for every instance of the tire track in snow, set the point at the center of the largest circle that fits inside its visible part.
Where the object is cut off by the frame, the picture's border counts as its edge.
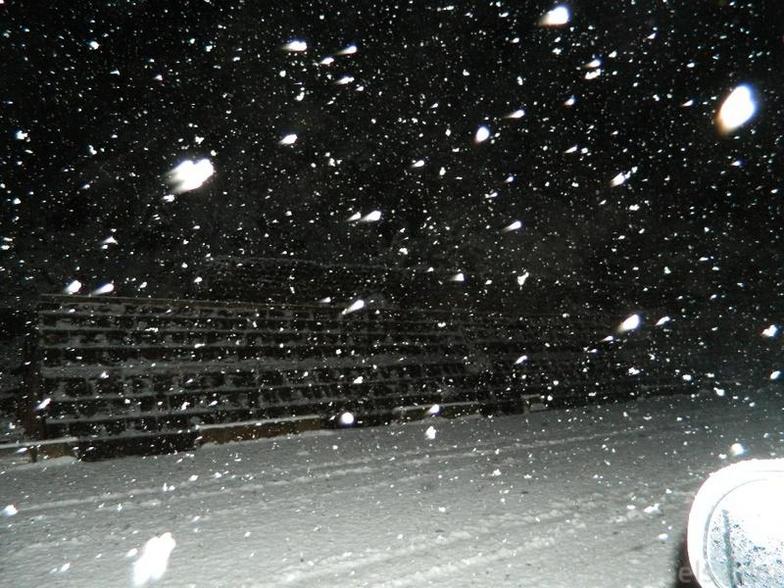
(348, 563)
(311, 474)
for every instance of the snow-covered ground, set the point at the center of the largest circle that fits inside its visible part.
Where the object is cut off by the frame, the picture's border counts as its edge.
(596, 496)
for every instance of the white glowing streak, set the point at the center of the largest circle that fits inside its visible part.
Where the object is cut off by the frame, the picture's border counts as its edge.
(521, 359)
(296, 46)
(630, 323)
(418, 163)
(618, 180)
(326, 300)
(596, 63)
(43, 404)
(571, 149)
(515, 226)
(556, 17)
(345, 80)
(109, 241)
(327, 61)
(73, 287)
(520, 113)
(736, 109)
(355, 306)
(358, 380)
(774, 375)
(346, 419)
(482, 134)
(152, 564)
(458, 277)
(434, 410)
(10, 510)
(570, 101)
(770, 331)
(190, 175)
(521, 279)
(289, 139)
(350, 50)
(105, 289)
(663, 321)
(354, 217)
(372, 217)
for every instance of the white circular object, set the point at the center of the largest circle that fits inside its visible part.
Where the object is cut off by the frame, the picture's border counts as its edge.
(736, 526)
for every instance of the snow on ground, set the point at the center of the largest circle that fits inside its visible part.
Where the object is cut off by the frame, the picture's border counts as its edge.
(596, 496)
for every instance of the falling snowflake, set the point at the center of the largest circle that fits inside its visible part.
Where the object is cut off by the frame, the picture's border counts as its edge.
(289, 139)
(618, 179)
(736, 110)
(355, 306)
(105, 289)
(350, 50)
(556, 17)
(737, 449)
(73, 287)
(372, 217)
(295, 46)
(515, 226)
(630, 323)
(482, 134)
(190, 175)
(152, 564)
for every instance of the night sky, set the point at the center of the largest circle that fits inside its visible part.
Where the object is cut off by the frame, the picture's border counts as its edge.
(101, 99)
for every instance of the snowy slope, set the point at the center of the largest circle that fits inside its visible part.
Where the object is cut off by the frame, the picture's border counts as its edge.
(589, 497)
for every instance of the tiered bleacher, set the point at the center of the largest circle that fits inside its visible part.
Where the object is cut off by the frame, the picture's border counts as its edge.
(109, 374)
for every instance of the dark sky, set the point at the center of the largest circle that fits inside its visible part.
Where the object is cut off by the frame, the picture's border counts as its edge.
(100, 100)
